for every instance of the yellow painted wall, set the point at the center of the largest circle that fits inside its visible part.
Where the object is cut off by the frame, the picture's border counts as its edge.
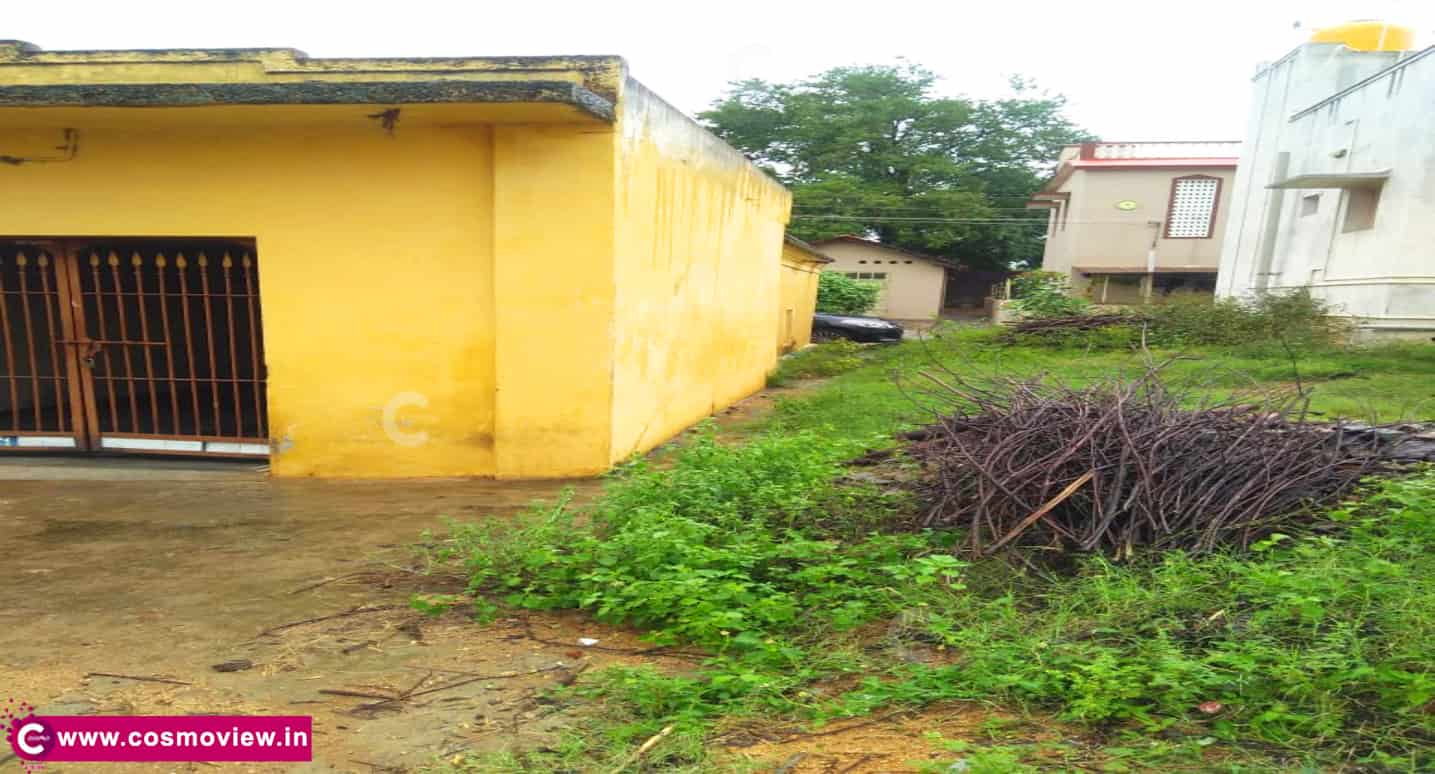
(698, 237)
(797, 298)
(554, 288)
(504, 290)
(375, 264)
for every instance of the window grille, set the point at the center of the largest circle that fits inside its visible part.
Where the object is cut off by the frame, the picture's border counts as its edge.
(1193, 207)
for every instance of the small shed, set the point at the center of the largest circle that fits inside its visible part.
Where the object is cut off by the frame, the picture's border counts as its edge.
(913, 285)
(801, 265)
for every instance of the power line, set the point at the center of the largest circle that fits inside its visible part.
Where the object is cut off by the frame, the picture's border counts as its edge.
(983, 221)
(993, 219)
(921, 209)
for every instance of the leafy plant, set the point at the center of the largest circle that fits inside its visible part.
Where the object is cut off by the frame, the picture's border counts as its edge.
(1045, 294)
(711, 551)
(1308, 652)
(1280, 323)
(838, 293)
(1294, 318)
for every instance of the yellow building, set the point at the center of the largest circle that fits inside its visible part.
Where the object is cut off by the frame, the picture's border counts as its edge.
(512, 267)
(797, 296)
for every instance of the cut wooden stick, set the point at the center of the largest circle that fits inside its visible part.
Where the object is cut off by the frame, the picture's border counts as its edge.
(643, 749)
(138, 678)
(790, 763)
(355, 611)
(858, 763)
(1044, 509)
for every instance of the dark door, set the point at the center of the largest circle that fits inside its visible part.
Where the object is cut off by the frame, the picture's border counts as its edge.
(156, 347)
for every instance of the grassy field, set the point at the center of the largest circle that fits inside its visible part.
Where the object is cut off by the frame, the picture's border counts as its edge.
(752, 545)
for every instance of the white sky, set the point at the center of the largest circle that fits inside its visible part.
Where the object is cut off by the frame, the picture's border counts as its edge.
(1153, 70)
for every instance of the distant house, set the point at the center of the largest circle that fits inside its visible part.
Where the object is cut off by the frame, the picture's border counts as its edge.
(1133, 222)
(1336, 190)
(913, 285)
(797, 293)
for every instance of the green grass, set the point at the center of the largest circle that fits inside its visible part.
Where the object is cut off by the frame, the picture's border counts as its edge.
(825, 360)
(1379, 384)
(754, 548)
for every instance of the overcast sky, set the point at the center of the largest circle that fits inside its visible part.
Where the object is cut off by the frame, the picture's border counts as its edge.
(1152, 70)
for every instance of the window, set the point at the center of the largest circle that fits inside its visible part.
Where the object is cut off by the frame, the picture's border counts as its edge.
(881, 275)
(853, 275)
(1360, 205)
(1192, 214)
(1168, 284)
(1309, 204)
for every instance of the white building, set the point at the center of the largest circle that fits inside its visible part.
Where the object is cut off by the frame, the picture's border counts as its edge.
(1335, 190)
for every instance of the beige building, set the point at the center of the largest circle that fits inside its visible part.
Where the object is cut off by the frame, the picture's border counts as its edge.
(1132, 222)
(913, 285)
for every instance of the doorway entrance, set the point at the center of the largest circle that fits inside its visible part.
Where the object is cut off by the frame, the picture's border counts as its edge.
(148, 346)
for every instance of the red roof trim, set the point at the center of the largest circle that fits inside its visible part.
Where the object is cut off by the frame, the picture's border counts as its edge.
(1152, 163)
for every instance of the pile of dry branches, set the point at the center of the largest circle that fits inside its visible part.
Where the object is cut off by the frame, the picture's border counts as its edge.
(1074, 322)
(1123, 463)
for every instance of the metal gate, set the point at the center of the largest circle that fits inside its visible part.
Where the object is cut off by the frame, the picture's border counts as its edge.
(128, 345)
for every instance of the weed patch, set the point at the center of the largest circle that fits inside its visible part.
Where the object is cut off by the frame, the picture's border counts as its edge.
(818, 361)
(1306, 650)
(1271, 323)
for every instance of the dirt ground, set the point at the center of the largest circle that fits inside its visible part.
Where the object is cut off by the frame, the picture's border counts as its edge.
(160, 570)
(126, 581)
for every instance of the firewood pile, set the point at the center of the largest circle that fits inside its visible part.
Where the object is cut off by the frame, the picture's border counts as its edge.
(1067, 323)
(1124, 464)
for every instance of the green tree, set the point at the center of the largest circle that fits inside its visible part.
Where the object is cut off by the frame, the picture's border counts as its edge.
(874, 150)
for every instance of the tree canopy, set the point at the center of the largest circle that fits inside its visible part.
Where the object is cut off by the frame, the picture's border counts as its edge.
(873, 149)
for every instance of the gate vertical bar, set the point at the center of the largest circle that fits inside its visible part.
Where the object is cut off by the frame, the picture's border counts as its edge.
(181, 263)
(100, 329)
(228, 265)
(138, 262)
(160, 263)
(144, 333)
(209, 339)
(10, 379)
(114, 261)
(23, 263)
(46, 264)
(254, 332)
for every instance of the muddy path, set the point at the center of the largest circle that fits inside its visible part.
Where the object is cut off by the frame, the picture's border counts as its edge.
(162, 570)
